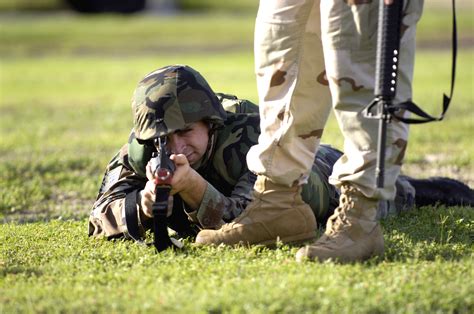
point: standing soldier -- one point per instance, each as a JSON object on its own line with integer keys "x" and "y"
{"x": 292, "y": 79}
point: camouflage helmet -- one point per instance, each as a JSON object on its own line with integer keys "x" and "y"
{"x": 169, "y": 98}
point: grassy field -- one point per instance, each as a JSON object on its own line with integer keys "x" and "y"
{"x": 65, "y": 88}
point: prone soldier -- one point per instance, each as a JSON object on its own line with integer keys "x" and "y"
{"x": 208, "y": 136}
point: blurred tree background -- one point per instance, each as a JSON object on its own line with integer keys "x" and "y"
{"x": 128, "y": 6}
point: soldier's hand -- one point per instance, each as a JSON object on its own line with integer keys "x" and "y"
{"x": 148, "y": 195}
{"x": 187, "y": 182}
{"x": 183, "y": 174}
{"x": 148, "y": 198}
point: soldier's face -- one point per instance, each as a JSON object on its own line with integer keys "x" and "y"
{"x": 190, "y": 141}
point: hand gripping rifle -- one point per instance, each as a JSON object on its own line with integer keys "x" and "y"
{"x": 163, "y": 169}
{"x": 386, "y": 72}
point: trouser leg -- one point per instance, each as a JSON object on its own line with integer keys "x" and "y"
{"x": 349, "y": 40}
{"x": 349, "y": 31}
{"x": 294, "y": 106}
{"x": 294, "y": 98}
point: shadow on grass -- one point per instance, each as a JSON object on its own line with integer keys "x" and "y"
{"x": 47, "y": 188}
{"x": 16, "y": 270}
{"x": 424, "y": 234}
{"x": 429, "y": 233}
{"x": 45, "y": 215}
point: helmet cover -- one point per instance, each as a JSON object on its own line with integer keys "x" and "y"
{"x": 168, "y": 99}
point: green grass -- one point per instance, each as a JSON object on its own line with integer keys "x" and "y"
{"x": 54, "y": 267}
{"x": 120, "y": 36}
{"x": 65, "y": 89}
{"x": 123, "y": 36}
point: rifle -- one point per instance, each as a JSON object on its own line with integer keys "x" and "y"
{"x": 386, "y": 72}
{"x": 163, "y": 169}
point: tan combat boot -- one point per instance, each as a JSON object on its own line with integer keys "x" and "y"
{"x": 276, "y": 213}
{"x": 352, "y": 232}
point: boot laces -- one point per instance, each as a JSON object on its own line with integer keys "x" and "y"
{"x": 339, "y": 220}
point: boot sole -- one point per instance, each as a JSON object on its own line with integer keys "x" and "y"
{"x": 297, "y": 239}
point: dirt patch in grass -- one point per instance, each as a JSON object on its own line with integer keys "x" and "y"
{"x": 59, "y": 206}
{"x": 434, "y": 165}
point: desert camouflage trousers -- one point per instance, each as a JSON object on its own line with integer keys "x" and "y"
{"x": 302, "y": 47}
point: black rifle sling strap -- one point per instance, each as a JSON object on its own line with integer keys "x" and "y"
{"x": 131, "y": 215}
{"x": 413, "y": 108}
{"x": 162, "y": 239}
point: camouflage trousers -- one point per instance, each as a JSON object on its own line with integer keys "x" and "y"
{"x": 310, "y": 54}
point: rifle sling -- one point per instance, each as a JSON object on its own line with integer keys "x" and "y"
{"x": 131, "y": 215}
{"x": 413, "y": 108}
{"x": 162, "y": 239}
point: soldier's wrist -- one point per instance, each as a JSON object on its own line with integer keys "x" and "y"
{"x": 195, "y": 182}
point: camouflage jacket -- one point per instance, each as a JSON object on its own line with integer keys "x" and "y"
{"x": 116, "y": 210}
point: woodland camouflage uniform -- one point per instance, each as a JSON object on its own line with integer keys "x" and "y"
{"x": 230, "y": 183}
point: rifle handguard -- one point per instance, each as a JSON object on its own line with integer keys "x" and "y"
{"x": 388, "y": 49}
{"x": 386, "y": 72}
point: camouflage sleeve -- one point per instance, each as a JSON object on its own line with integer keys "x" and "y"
{"x": 216, "y": 208}
{"x": 115, "y": 212}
